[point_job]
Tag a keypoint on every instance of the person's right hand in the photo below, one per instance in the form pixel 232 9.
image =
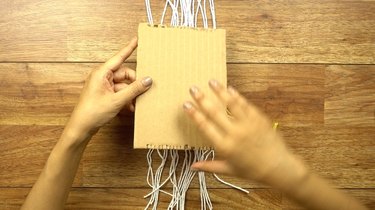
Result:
pixel 250 148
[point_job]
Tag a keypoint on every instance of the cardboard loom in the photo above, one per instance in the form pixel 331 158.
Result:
pixel 175 58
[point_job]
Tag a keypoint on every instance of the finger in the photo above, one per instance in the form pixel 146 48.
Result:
pixel 211 110
pixel 204 125
pixel 115 62
pixel 214 166
pixel 231 98
pixel 120 86
pixel 132 107
pixel 134 89
pixel 124 74
pixel 127 110
pixel 249 109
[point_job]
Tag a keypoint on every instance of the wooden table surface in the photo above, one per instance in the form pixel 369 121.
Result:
pixel 309 64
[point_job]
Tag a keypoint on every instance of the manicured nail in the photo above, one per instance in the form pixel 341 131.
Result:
pixel 232 91
pixel 213 83
pixel 194 91
pixel 147 81
pixel 188 106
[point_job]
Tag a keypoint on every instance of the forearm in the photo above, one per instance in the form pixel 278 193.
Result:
pixel 52 187
pixel 315 193
pixel 309 190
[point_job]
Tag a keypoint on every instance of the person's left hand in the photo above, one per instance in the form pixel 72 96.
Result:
pixel 107 91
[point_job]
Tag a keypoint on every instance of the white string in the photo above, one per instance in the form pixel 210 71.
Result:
pixel 149 14
pixel 205 23
pixel 155 184
pixel 205 198
pixel 185 182
pixel 213 15
pixel 173 168
pixel 227 183
pixel 231 185
pixel 180 186
pixel 186 12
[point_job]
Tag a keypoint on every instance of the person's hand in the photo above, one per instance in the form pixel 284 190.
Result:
pixel 107 91
pixel 248 145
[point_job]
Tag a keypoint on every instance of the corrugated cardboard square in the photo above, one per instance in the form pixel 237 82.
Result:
pixel 176 59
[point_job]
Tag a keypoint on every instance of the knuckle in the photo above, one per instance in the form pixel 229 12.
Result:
pixel 91 74
pixel 137 88
pixel 201 123
pixel 211 111
pixel 126 75
pixel 233 101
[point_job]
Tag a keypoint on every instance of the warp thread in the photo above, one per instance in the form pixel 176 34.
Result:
pixel 180 186
pixel 184 13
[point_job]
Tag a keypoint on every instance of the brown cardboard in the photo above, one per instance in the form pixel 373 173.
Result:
pixel 176 59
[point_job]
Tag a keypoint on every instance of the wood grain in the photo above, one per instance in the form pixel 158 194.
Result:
pixel 298 61
pixel 294 95
pixel 288 94
pixel 343 155
pixel 309 31
pixel 45 94
pixel 37 99
pixel 123 198
pixel 350 96
pixel 365 196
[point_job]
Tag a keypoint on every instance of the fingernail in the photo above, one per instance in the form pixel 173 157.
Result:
pixel 188 106
pixel 194 91
pixel 213 83
pixel 147 81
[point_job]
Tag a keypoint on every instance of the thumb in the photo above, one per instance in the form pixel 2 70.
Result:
pixel 214 166
pixel 133 90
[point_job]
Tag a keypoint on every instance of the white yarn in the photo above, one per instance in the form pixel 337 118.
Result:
pixel 227 183
pixel 149 14
pixel 202 155
pixel 155 183
pixel 180 186
pixel 213 14
pixel 185 12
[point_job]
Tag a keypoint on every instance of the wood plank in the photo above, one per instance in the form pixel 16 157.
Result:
pixel 33 30
pixel 40 93
pixel 288 94
pixel 122 198
pixel 37 99
pixel 365 196
pixel 344 155
pixel 45 93
pixel 24 151
pixel 350 95
pixel 309 31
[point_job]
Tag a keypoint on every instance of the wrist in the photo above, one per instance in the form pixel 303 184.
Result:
pixel 289 174
pixel 297 176
pixel 75 136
